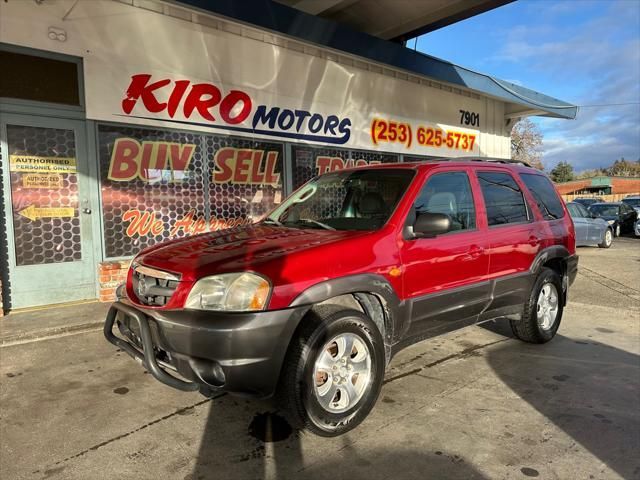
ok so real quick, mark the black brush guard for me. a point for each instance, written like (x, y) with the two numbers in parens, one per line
(147, 355)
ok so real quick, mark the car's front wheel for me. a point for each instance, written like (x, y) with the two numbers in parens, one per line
(333, 371)
(607, 240)
(618, 231)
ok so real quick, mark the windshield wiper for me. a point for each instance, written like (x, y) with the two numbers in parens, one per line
(315, 222)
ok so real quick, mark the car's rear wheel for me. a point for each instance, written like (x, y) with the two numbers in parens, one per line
(543, 311)
(333, 372)
(607, 240)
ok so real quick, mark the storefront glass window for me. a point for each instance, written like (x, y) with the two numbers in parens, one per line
(310, 161)
(161, 184)
(44, 195)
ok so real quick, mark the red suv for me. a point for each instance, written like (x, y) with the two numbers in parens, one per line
(313, 302)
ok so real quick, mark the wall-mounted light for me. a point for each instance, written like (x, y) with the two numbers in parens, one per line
(57, 34)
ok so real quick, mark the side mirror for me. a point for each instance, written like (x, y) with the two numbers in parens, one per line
(431, 224)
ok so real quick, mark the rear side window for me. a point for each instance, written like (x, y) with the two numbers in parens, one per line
(545, 195)
(503, 198)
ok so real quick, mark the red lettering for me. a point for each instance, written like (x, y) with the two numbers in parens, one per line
(183, 224)
(151, 159)
(256, 175)
(140, 88)
(161, 156)
(157, 228)
(231, 100)
(224, 160)
(202, 97)
(336, 164)
(216, 224)
(243, 164)
(361, 163)
(123, 165)
(200, 226)
(176, 96)
(270, 175)
(142, 223)
(322, 164)
(181, 155)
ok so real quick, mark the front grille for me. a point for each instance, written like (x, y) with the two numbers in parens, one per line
(153, 287)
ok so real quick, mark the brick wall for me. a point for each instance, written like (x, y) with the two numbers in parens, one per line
(110, 275)
(620, 186)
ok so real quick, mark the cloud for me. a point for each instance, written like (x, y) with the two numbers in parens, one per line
(598, 62)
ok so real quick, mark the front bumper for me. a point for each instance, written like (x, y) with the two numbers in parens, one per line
(198, 350)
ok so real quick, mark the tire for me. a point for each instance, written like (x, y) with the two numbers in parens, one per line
(529, 328)
(617, 231)
(607, 239)
(302, 382)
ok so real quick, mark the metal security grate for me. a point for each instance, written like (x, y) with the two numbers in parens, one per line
(44, 239)
(191, 199)
(305, 160)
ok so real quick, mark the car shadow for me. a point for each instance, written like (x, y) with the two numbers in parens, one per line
(247, 439)
(588, 389)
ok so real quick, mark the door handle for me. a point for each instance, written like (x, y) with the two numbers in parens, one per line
(534, 241)
(87, 211)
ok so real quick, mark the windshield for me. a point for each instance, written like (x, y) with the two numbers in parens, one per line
(605, 210)
(348, 200)
(632, 202)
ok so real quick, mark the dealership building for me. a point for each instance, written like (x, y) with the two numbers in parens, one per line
(127, 123)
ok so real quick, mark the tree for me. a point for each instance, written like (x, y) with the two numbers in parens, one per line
(526, 143)
(563, 172)
(624, 168)
(597, 172)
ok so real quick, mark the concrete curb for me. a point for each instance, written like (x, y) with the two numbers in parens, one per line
(44, 334)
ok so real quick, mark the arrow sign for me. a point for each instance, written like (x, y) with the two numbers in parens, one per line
(33, 213)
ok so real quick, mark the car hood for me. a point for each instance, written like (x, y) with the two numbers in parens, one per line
(607, 217)
(257, 248)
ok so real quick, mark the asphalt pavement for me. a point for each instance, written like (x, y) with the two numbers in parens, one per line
(476, 403)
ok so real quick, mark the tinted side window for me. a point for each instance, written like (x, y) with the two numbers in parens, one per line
(545, 195)
(574, 210)
(583, 211)
(449, 193)
(503, 198)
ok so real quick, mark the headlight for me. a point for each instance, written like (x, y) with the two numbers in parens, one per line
(611, 222)
(232, 292)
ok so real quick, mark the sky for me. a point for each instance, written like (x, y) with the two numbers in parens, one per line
(585, 52)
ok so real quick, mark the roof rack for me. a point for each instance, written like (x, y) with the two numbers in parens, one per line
(482, 159)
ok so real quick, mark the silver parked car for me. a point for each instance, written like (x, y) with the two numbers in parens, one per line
(590, 230)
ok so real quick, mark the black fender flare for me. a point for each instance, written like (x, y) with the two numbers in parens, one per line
(546, 254)
(570, 262)
(394, 309)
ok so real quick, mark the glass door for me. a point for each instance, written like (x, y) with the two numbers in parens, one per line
(48, 210)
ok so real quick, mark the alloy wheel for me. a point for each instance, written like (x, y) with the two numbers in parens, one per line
(342, 372)
(547, 307)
